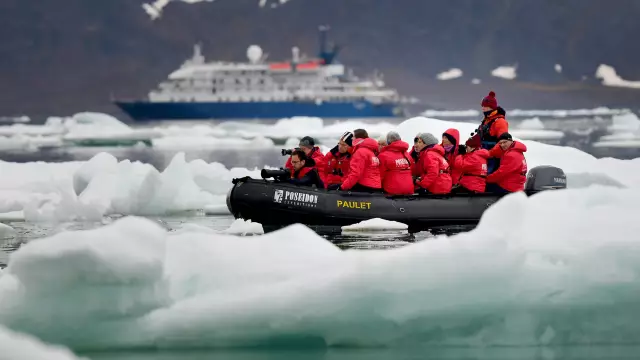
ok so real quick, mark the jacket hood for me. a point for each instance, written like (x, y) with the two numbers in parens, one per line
(518, 146)
(397, 146)
(483, 153)
(437, 148)
(455, 134)
(368, 143)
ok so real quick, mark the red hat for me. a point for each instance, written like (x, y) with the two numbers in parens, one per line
(474, 142)
(490, 101)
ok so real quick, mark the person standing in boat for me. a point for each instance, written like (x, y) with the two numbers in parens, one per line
(511, 175)
(337, 161)
(395, 166)
(471, 164)
(308, 145)
(303, 170)
(431, 169)
(493, 125)
(364, 167)
(451, 145)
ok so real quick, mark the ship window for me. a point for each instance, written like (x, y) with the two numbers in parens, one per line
(261, 81)
(237, 81)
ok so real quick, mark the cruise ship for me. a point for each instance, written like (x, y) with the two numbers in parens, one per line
(257, 89)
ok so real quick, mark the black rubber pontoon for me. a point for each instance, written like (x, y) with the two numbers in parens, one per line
(274, 203)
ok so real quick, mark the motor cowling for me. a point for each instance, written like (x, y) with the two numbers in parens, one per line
(545, 177)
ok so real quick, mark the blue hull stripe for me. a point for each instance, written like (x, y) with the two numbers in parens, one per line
(147, 111)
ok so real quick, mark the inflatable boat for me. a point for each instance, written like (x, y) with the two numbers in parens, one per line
(274, 203)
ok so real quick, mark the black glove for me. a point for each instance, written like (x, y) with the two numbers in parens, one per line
(333, 187)
(462, 149)
(334, 151)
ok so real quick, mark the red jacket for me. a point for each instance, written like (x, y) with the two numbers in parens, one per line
(497, 127)
(512, 173)
(433, 170)
(473, 170)
(453, 154)
(334, 165)
(395, 169)
(364, 168)
(318, 157)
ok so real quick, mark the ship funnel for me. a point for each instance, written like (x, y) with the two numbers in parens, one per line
(254, 53)
(328, 56)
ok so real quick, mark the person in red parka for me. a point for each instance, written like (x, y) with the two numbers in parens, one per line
(395, 166)
(308, 145)
(304, 172)
(493, 125)
(432, 168)
(337, 160)
(451, 145)
(472, 166)
(512, 173)
(364, 168)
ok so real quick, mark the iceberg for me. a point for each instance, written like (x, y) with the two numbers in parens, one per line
(555, 269)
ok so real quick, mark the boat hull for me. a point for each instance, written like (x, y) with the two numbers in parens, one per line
(155, 111)
(280, 204)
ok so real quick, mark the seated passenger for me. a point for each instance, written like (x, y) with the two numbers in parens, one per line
(382, 142)
(472, 166)
(304, 172)
(511, 175)
(451, 144)
(337, 161)
(395, 166)
(307, 144)
(364, 168)
(432, 168)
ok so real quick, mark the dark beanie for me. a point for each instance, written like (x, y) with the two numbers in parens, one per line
(490, 101)
(505, 136)
(347, 137)
(307, 141)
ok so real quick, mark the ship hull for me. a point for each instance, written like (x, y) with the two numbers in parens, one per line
(154, 111)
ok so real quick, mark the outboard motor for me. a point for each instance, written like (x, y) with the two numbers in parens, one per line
(545, 177)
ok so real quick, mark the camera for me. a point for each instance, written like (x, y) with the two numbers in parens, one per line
(285, 152)
(276, 174)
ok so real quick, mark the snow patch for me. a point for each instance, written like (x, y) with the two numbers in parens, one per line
(450, 74)
(506, 72)
(610, 77)
(558, 68)
(475, 81)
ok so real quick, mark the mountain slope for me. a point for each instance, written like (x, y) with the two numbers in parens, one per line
(60, 59)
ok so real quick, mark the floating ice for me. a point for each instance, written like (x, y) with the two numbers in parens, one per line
(244, 227)
(450, 74)
(101, 186)
(531, 124)
(375, 224)
(17, 346)
(540, 265)
(6, 231)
